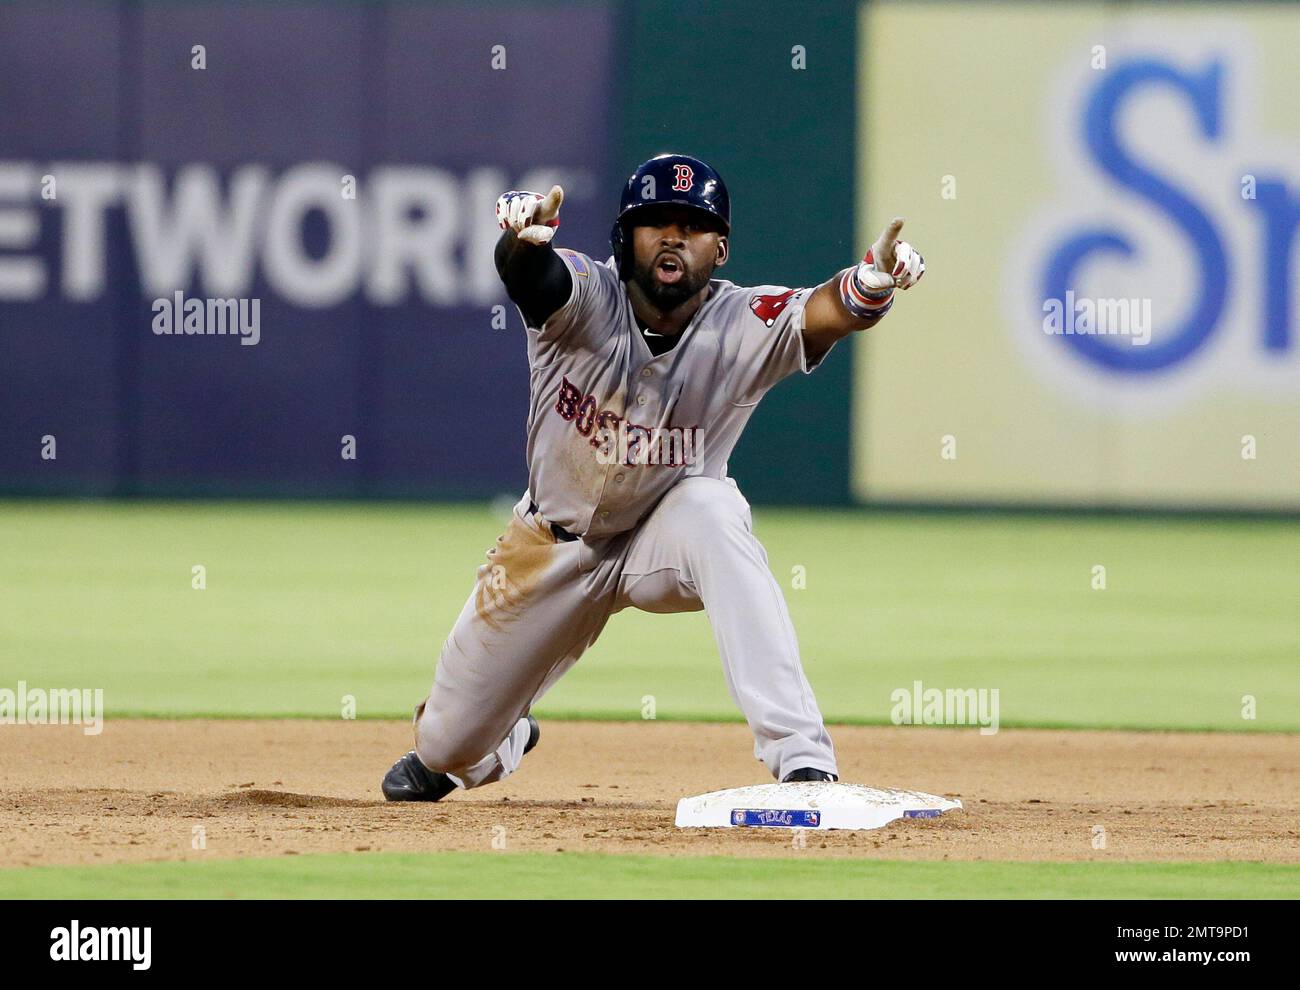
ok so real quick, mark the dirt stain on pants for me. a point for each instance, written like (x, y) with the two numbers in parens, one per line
(513, 568)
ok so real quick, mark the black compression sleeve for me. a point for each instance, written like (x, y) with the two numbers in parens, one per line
(536, 280)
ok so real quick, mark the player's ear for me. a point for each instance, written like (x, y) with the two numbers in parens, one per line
(724, 251)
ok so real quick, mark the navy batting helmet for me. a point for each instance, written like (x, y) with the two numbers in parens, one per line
(678, 179)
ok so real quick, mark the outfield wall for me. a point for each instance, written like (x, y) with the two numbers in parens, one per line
(1139, 162)
(139, 166)
(1161, 176)
(232, 179)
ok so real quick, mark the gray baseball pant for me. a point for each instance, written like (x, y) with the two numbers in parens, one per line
(538, 604)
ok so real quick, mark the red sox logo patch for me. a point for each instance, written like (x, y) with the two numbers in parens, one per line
(768, 308)
(685, 178)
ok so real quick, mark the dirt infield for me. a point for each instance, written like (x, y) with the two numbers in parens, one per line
(141, 790)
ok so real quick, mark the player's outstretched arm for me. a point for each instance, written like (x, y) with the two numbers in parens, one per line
(857, 298)
(536, 280)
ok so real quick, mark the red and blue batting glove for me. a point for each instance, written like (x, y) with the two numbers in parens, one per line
(531, 215)
(867, 291)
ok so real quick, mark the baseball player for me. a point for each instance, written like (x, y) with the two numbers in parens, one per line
(644, 370)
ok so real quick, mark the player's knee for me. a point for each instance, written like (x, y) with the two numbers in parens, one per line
(444, 750)
(443, 755)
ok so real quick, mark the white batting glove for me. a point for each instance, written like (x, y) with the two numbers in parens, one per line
(894, 258)
(531, 215)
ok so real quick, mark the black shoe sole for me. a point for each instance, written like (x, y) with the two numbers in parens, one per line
(809, 775)
(411, 780)
(534, 734)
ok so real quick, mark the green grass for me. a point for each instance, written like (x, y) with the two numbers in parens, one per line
(306, 603)
(592, 875)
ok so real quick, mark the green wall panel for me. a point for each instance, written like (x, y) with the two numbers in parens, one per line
(716, 81)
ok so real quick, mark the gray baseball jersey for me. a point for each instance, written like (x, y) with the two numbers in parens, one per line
(611, 427)
(629, 451)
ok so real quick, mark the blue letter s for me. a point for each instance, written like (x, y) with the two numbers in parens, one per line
(1202, 90)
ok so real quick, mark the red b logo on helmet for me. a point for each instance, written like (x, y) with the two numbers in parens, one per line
(685, 178)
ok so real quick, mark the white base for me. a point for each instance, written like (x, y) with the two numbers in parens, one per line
(819, 805)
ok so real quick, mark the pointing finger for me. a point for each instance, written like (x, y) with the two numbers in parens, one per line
(891, 233)
(549, 207)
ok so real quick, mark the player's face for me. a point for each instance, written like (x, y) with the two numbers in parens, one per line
(674, 252)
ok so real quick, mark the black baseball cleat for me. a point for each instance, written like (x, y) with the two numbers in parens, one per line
(411, 780)
(534, 734)
(808, 774)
